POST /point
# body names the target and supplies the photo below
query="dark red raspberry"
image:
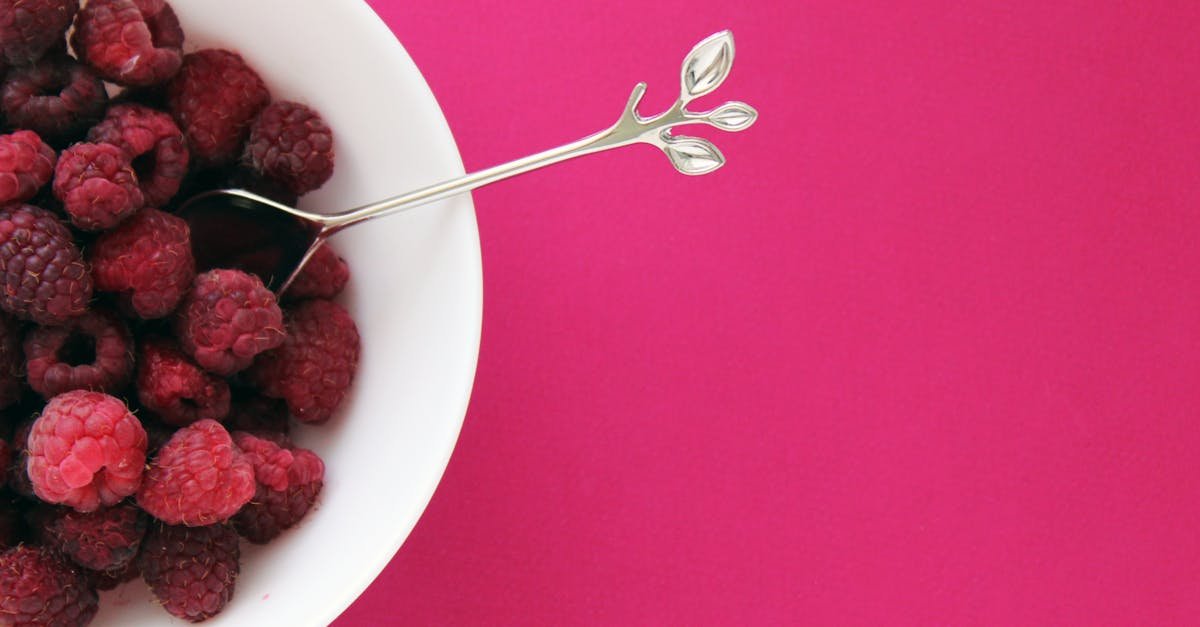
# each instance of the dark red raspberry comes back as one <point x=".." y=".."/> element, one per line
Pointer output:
<point x="129" y="42"/>
<point x="57" y="98"/>
<point x="192" y="570"/>
<point x="214" y="98"/>
<point x="86" y="450"/>
<point x="324" y="276"/>
<point x="155" y="146"/>
<point x="12" y="362"/>
<point x="314" y="368"/>
<point x="226" y="319"/>
<point x="39" y="588"/>
<point x="170" y="385"/>
<point x="26" y="164"/>
<point x="291" y="144"/>
<point x="91" y="352"/>
<point x="42" y="274"/>
<point x="254" y="413"/>
<point x="198" y="477"/>
<point x="147" y="260"/>
<point x="106" y="539"/>
<point x="96" y="185"/>
<point x="29" y="28"/>
<point x="288" y="479"/>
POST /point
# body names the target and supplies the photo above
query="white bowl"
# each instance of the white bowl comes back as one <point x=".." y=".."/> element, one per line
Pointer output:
<point x="415" y="292"/>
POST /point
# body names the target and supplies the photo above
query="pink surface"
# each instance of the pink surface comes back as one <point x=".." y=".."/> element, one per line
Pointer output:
<point x="925" y="352"/>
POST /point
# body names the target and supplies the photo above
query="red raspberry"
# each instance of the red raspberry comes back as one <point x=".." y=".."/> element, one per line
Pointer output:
<point x="26" y="164"/>
<point x="291" y="144"/>
<point x="324" y="276"/>
<point x="176" y="389"/>
<point x="155" y="146"/>
<point x="129" y="42"/>
<point x="257" y="414"/>
<point x="11" y="363"/>
<point x="57" y="98"/>
<point x="198" y="477"/>
<point x="106" y="539"/>
<point x="86" y="450"/>
<point x="214" y="98"/>
<point x="226" y="319"/>
<point x="42" y="274"/>
<point x="147" y="260"/>
<point x="192" y="570"/>
<point x="96" y="185"/>
<point x="314" y="368"/>
<point x="28" y="28"/>
<point x="91" y="352"/>
<point x="288" y="482"/>
<point x="40" y="588"/>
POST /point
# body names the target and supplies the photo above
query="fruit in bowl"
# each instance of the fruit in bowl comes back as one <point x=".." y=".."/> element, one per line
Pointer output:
<point x="414" y="296"/>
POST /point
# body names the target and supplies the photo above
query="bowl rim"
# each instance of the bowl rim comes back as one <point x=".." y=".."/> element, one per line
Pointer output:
<point x="375" y="26"/>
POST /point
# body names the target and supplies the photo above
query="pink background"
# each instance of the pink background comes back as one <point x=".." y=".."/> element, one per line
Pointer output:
<point x="925" y="351"/>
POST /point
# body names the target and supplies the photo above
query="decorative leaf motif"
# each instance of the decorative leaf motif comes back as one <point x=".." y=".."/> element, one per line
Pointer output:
<point x="733" y="116"/>
<point x="692" y="155"/>
<point x="707" y="65"/>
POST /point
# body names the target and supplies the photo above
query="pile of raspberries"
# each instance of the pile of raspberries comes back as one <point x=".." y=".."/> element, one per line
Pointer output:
<point x="145" y="406"/>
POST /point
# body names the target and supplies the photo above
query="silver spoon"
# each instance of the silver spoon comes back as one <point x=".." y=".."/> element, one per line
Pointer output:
<point x="237" y="228"/>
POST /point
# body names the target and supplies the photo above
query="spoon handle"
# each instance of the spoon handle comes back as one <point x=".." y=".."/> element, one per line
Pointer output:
<point x="704" y="69"/>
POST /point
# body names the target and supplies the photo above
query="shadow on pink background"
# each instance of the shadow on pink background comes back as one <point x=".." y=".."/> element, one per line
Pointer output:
<point x="925" y="352"/>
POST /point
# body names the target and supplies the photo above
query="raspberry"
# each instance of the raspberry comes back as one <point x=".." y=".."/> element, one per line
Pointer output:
<point x="129" y="42"/>
<point x="257" y="414"/>
<point x="106" y="539"/>
<point x="97" y="185"/>
<point x="288" y="481"/>
<point x="86" y="450"/>
<point x="176" y="389"/>
<point x="226" y="319"/>
<point x="147" y="260"/>
<point x="291" y="144"/>
<point x="40" y="588"/>
<point x="198" y="477"/>
<point x="28" y="28"/>
<point x="214" y="98"/>
<point x="26" y="164"/>
<point x="42" y="274"/>
<point x="314" y="368"/>
<point x="155" y="146"/>
<point x="324" y="276"/>
<point x="192" y="570"/>
<point x="57" y="98"/>
<point x="91" y="352"/>
<point x="11" y="363"/>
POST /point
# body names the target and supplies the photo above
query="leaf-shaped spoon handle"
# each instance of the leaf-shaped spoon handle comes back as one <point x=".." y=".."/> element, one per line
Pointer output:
<point x="704" y="69"/>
